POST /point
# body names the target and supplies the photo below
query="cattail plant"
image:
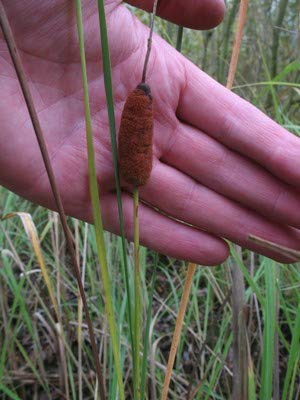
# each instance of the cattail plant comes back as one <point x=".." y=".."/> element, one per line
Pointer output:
<point x="135" y="159"/>
<point x="135" y="155"/>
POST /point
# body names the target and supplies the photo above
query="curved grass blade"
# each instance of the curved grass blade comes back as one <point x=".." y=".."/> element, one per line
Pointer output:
<point x="113" y="137"/>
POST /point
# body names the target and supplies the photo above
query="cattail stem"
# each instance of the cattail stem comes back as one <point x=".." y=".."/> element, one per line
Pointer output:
<point x="178" y="328"/>
<point x="149" y="45"/>
<point x="137" y="294"/>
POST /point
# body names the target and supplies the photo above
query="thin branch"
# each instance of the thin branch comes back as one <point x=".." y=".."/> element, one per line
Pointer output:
<point x="8" y="35"/>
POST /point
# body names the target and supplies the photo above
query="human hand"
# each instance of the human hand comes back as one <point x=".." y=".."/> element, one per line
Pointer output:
<point x="219" y="163"/>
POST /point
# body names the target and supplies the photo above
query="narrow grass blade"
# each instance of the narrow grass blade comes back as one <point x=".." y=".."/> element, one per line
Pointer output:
<point x="294" y="357"/>
<point x="113" y="137"/>
<point x="147" y="331"/>
<point x="8" y="392"/>
<point x="269" y="314"/>
<point x="137" y="295"/>
<point x="101" y="250"/>
<point x="238" y="285"/>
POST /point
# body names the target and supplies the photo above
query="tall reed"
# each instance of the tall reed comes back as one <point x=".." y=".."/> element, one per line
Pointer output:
<point x="113" y="137"/>
<point x="240" y="336"/>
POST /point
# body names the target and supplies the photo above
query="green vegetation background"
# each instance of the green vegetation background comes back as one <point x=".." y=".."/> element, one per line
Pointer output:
<point x="33" y="364"/>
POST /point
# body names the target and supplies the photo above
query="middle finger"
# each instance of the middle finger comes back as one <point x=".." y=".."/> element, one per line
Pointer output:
<point x="232" y="175"/>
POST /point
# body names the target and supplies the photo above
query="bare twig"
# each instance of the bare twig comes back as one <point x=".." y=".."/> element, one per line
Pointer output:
<point x="8" y="35"/>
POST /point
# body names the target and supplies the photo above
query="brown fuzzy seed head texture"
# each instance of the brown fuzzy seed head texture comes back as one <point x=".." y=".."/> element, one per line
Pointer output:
<point x="135" y="137"/>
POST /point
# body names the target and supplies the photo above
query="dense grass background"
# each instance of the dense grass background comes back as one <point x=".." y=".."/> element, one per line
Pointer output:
<point x="36" y="362"/>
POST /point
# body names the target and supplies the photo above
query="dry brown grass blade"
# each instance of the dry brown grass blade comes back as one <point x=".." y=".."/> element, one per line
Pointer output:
<point x="178" y="328"/>
<point x="32" y="234"/>
<point x="16" y="59"/>
<point x="294" y="255"/>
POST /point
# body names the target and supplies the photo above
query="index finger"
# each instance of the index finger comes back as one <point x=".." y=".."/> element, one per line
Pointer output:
<point x="239" y="125"/>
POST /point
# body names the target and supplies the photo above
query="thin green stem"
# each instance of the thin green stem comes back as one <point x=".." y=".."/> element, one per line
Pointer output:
<point x="137" y="294"/>
<point x="97" y="209"/>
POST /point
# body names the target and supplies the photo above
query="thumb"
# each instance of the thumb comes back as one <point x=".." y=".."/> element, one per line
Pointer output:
<point x="195" y="14"/>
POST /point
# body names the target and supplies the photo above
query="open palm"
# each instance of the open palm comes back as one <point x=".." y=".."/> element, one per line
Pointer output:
<point x="220" y="164"/>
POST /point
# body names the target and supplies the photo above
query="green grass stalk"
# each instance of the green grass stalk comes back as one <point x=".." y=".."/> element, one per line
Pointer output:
<point x="101" y="250"/>
<point x="137" y="295"/>
<point x="179" y="38"/>
<point x="269" y="332"/>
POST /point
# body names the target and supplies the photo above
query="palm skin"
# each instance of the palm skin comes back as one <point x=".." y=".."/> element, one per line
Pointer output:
<point x="219" y="165"/>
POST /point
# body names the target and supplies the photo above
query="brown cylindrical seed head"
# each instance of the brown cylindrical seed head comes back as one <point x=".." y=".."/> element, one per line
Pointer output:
<point x="135" y="137"/>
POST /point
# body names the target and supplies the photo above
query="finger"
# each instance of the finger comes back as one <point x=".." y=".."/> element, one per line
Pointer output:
<point x="163" y="234"/>
<point x="236" y="177"/>
<point x="236" y="123"/>
<point x="200" y="14"/>
<point x="184" y="199"/>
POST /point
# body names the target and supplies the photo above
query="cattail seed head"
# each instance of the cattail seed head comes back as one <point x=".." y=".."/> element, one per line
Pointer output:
<point x="135" y="137"/>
